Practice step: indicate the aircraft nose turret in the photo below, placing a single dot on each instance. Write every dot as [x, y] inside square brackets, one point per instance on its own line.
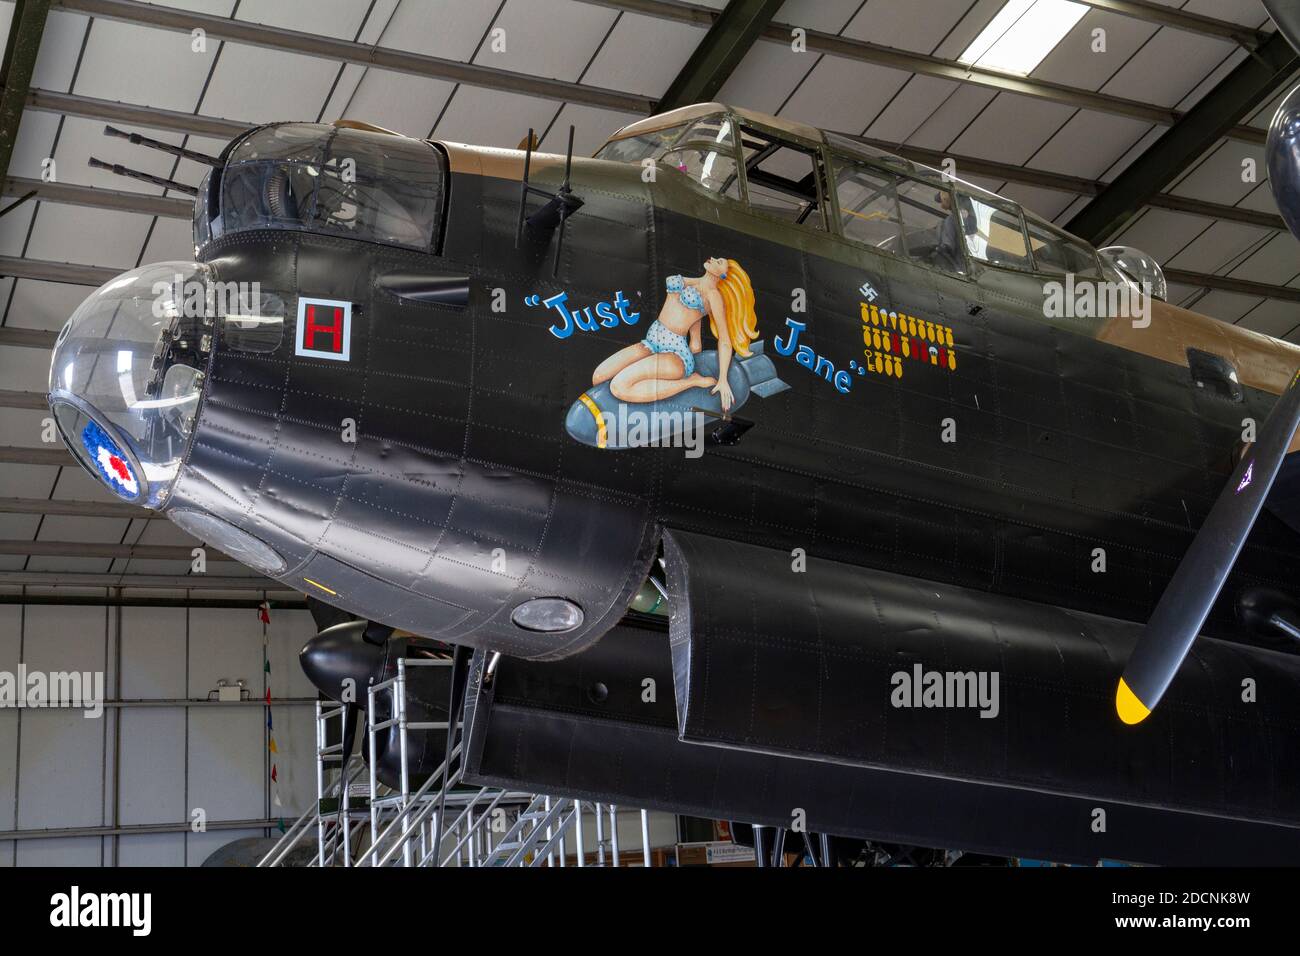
[126, 374]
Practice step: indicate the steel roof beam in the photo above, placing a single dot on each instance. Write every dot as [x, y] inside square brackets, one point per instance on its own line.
[90, 600]
[1184, 20]
[197, 582]
[97, 197]
[927, 65]
[1254, 82]
[93, 549]
[27, 338]
[24, 43]
[19, 455]
[152, 117]
[46, 271]
[732, 34]
[1228, 284]
[1136, 9]
[12, 398]
[63, 506]
[360, 54]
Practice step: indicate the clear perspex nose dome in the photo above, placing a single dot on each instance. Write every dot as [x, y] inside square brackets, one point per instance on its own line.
[126, 373]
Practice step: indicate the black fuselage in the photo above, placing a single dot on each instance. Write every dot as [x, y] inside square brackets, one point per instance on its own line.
[463, 496]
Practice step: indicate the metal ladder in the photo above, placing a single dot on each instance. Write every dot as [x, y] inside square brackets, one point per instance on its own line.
[405, 829]
[333, 826]
[543, 820]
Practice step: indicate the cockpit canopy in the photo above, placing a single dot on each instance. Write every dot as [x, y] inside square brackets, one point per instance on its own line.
[356, 183]
[829, 182]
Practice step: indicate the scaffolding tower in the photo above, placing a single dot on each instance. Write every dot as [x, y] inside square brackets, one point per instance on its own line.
[359, 821]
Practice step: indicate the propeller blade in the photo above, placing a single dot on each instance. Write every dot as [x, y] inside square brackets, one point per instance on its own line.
[1195, 586]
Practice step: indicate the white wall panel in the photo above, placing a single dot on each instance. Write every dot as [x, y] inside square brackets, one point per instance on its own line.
[10, 636]
[151, 849]
[60, 770]
[224, 644]
[61, 851]
[59, 765]
[227, 768]
[152, 781]
[153, 652]
[61, 760]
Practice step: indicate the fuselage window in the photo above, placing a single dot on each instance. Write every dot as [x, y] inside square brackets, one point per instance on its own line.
[994, 234]
[898, 215]
[782, 179]
[1058, 254]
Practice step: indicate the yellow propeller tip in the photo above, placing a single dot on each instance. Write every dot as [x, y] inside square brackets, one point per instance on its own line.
[1130, 709]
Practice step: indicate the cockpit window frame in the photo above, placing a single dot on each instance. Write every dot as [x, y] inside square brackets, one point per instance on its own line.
[815, 149]
[836, 157]
[1027, 218]
[731, 150]
[1006, 207]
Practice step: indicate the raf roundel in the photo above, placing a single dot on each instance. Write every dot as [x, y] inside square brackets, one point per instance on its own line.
[113, 465]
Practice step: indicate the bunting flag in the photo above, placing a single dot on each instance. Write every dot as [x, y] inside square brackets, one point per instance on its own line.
[264, 615]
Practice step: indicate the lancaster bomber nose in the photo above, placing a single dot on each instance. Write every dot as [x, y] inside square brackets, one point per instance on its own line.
[126, 374]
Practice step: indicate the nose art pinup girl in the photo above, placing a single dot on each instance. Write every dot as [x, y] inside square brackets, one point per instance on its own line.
[663, 363]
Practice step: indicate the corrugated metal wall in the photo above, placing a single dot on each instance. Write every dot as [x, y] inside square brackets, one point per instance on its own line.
[150, 765]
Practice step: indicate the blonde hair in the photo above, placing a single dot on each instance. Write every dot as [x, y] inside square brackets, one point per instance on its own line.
[738, 302]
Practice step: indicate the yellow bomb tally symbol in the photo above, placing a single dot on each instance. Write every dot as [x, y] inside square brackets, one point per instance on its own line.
[893, 339]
